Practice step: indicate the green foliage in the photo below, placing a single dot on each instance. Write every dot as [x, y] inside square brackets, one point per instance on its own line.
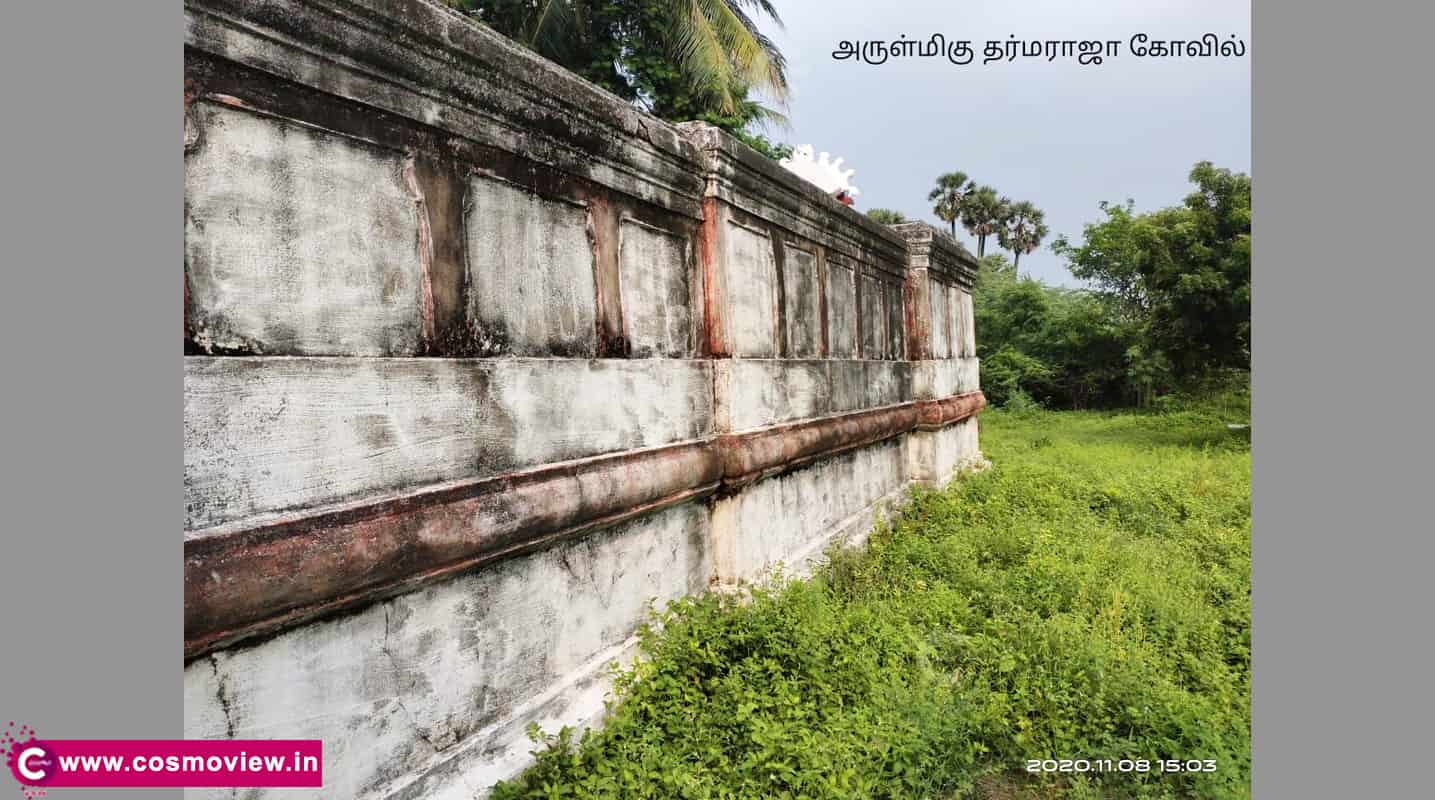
[1171, 311]
[1019, 402]
[1058, 347]
[679, 59]
[1021, 229]
[1087, 597]
[887, 216]
[947, 197]
[982, 214]
[773, 150]
[1181, 274]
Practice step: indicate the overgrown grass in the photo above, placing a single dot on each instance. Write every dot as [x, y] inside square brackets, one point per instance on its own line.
[1088, 597]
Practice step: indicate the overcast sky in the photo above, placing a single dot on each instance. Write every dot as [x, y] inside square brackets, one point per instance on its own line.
[1062, 135]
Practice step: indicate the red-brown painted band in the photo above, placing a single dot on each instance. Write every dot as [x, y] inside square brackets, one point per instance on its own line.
[236, 584]
[916, 315]
[934, 414]
[714, 332]
[749, 456]
[259, 580]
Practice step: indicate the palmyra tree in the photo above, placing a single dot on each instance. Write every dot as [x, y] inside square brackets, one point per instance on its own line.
[947, 198]
[982, 213]
[1022, 230]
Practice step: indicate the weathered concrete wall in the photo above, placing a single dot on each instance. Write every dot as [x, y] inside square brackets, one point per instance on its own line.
[787, 521]
[480, 361]
[425, 686]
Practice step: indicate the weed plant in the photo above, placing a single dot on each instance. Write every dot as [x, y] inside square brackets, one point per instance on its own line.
[1086, 598]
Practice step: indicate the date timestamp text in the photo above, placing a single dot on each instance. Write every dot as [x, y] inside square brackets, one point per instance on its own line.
[1130, 765]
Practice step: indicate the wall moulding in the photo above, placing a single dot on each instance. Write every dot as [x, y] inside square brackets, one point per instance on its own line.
[931, 250]
[246, 582]
[429, 64]
[938, 414]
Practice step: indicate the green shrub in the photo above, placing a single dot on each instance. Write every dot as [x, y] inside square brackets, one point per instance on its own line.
[1088, 597]
[1019, 402]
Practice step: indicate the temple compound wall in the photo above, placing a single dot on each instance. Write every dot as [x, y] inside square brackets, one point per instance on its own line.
[481, 362]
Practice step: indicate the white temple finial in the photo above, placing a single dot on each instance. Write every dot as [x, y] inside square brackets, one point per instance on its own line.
[824, 173]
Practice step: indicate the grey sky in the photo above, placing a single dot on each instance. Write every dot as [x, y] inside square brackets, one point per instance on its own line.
[1059, 134]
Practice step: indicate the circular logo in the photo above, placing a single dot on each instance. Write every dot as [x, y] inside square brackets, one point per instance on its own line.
[34, 763]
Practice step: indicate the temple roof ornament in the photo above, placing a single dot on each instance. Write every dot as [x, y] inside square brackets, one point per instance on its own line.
[821, 172]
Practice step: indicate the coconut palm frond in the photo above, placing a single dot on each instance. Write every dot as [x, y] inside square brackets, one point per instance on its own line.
[764, 6]
[704, 55]
[763, 116]
[721, 49]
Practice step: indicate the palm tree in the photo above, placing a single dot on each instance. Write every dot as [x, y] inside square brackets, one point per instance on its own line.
[947, 197]
[982, 212]
[1022, 230]
[714, 44]
[718, 43]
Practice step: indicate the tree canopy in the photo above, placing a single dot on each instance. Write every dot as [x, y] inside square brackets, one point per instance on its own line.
[1060, 347]
[1169, 309]
[982, 213]
[1183, 272]
[678, 59]
[947, 196]
[887, 216]
[1018, 226]
[1021, 229]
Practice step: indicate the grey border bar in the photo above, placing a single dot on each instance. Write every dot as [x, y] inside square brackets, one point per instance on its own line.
[1341, 641]
[90, 319]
